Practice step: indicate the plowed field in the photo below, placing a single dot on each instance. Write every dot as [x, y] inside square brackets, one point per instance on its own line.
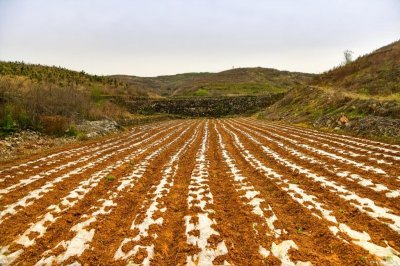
[202, 192]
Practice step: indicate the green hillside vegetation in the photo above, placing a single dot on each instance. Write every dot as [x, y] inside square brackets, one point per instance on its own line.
[239, 81]
[244, 81]
[62, 77]
[161, 86]
[51, 99]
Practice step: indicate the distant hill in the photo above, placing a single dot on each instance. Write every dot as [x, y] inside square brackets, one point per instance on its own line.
[377, 73]
[239, 81]
[161, 85]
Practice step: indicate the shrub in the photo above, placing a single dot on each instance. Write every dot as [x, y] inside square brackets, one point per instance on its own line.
[105, 110]
[201, 92]
[109, 178]
[73, 131]
[261, 115]
[96, 94]
[24, 120]
[8, 124]
[54, 125]
[82, 137]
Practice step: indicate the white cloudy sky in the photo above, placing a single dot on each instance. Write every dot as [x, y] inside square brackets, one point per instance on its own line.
[155, 37]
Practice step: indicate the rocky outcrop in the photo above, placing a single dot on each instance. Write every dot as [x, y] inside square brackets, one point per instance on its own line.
[27, 142]
[97, 128]
[203, 106]
[362, 126]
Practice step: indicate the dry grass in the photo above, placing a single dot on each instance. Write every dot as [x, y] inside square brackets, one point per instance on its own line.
[377, 73]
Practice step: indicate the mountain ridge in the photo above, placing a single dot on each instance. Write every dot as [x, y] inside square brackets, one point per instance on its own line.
[243, 81]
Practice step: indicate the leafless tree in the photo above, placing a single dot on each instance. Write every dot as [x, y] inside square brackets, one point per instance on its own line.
[348, 56]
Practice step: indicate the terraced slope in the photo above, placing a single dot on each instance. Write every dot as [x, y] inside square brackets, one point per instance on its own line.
[201, 192]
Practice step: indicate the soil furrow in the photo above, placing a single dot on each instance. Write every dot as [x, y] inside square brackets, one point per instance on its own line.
[17, 200]
[80, 160]
[170, 247]
[312, 235]
[233, 191]
[330, 180]
[354, 151]
[40, 161]
[366, 157]
[367, 184]
[311, 198]
[381, 150]
[125, 200]
[365, 143]
[246, 223]
[383, 214]
[149, 221]
[67, 208]
[33, 173]
[344, 155]
[204, 241]
[39, 208]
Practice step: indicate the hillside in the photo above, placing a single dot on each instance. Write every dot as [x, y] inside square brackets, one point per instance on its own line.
[62, 77]
[362, 97]
[377, 73]
[54, 99]
[239, 81]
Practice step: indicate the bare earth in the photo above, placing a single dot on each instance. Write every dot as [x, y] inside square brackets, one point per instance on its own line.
[202, 192]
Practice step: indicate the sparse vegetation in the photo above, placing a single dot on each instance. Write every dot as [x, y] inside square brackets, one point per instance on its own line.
[365, 91]
[8, 124]
[73, 131]
[50, 99]
[377, 73]
[201, 92]
[109, 178]
[300, 230]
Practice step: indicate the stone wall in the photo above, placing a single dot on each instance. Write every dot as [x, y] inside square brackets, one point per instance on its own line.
[203, 106]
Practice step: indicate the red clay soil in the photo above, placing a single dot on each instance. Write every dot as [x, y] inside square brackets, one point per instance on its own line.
[200, 192]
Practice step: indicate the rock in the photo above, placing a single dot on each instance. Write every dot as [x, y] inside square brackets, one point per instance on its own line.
[97, 128]
[25, 142]
[343, 120]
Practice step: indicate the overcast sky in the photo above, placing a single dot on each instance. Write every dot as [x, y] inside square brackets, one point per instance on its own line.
[156, 37]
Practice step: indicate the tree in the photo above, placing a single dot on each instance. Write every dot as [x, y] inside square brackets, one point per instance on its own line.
[348, 56]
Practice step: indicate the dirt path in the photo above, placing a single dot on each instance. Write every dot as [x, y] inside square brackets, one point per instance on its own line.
[202, 192]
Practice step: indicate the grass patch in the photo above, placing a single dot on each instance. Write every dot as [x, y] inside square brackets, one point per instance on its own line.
[201, 92]
[73, 131]
[109, 178]
[260, 115]
[235, 89]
